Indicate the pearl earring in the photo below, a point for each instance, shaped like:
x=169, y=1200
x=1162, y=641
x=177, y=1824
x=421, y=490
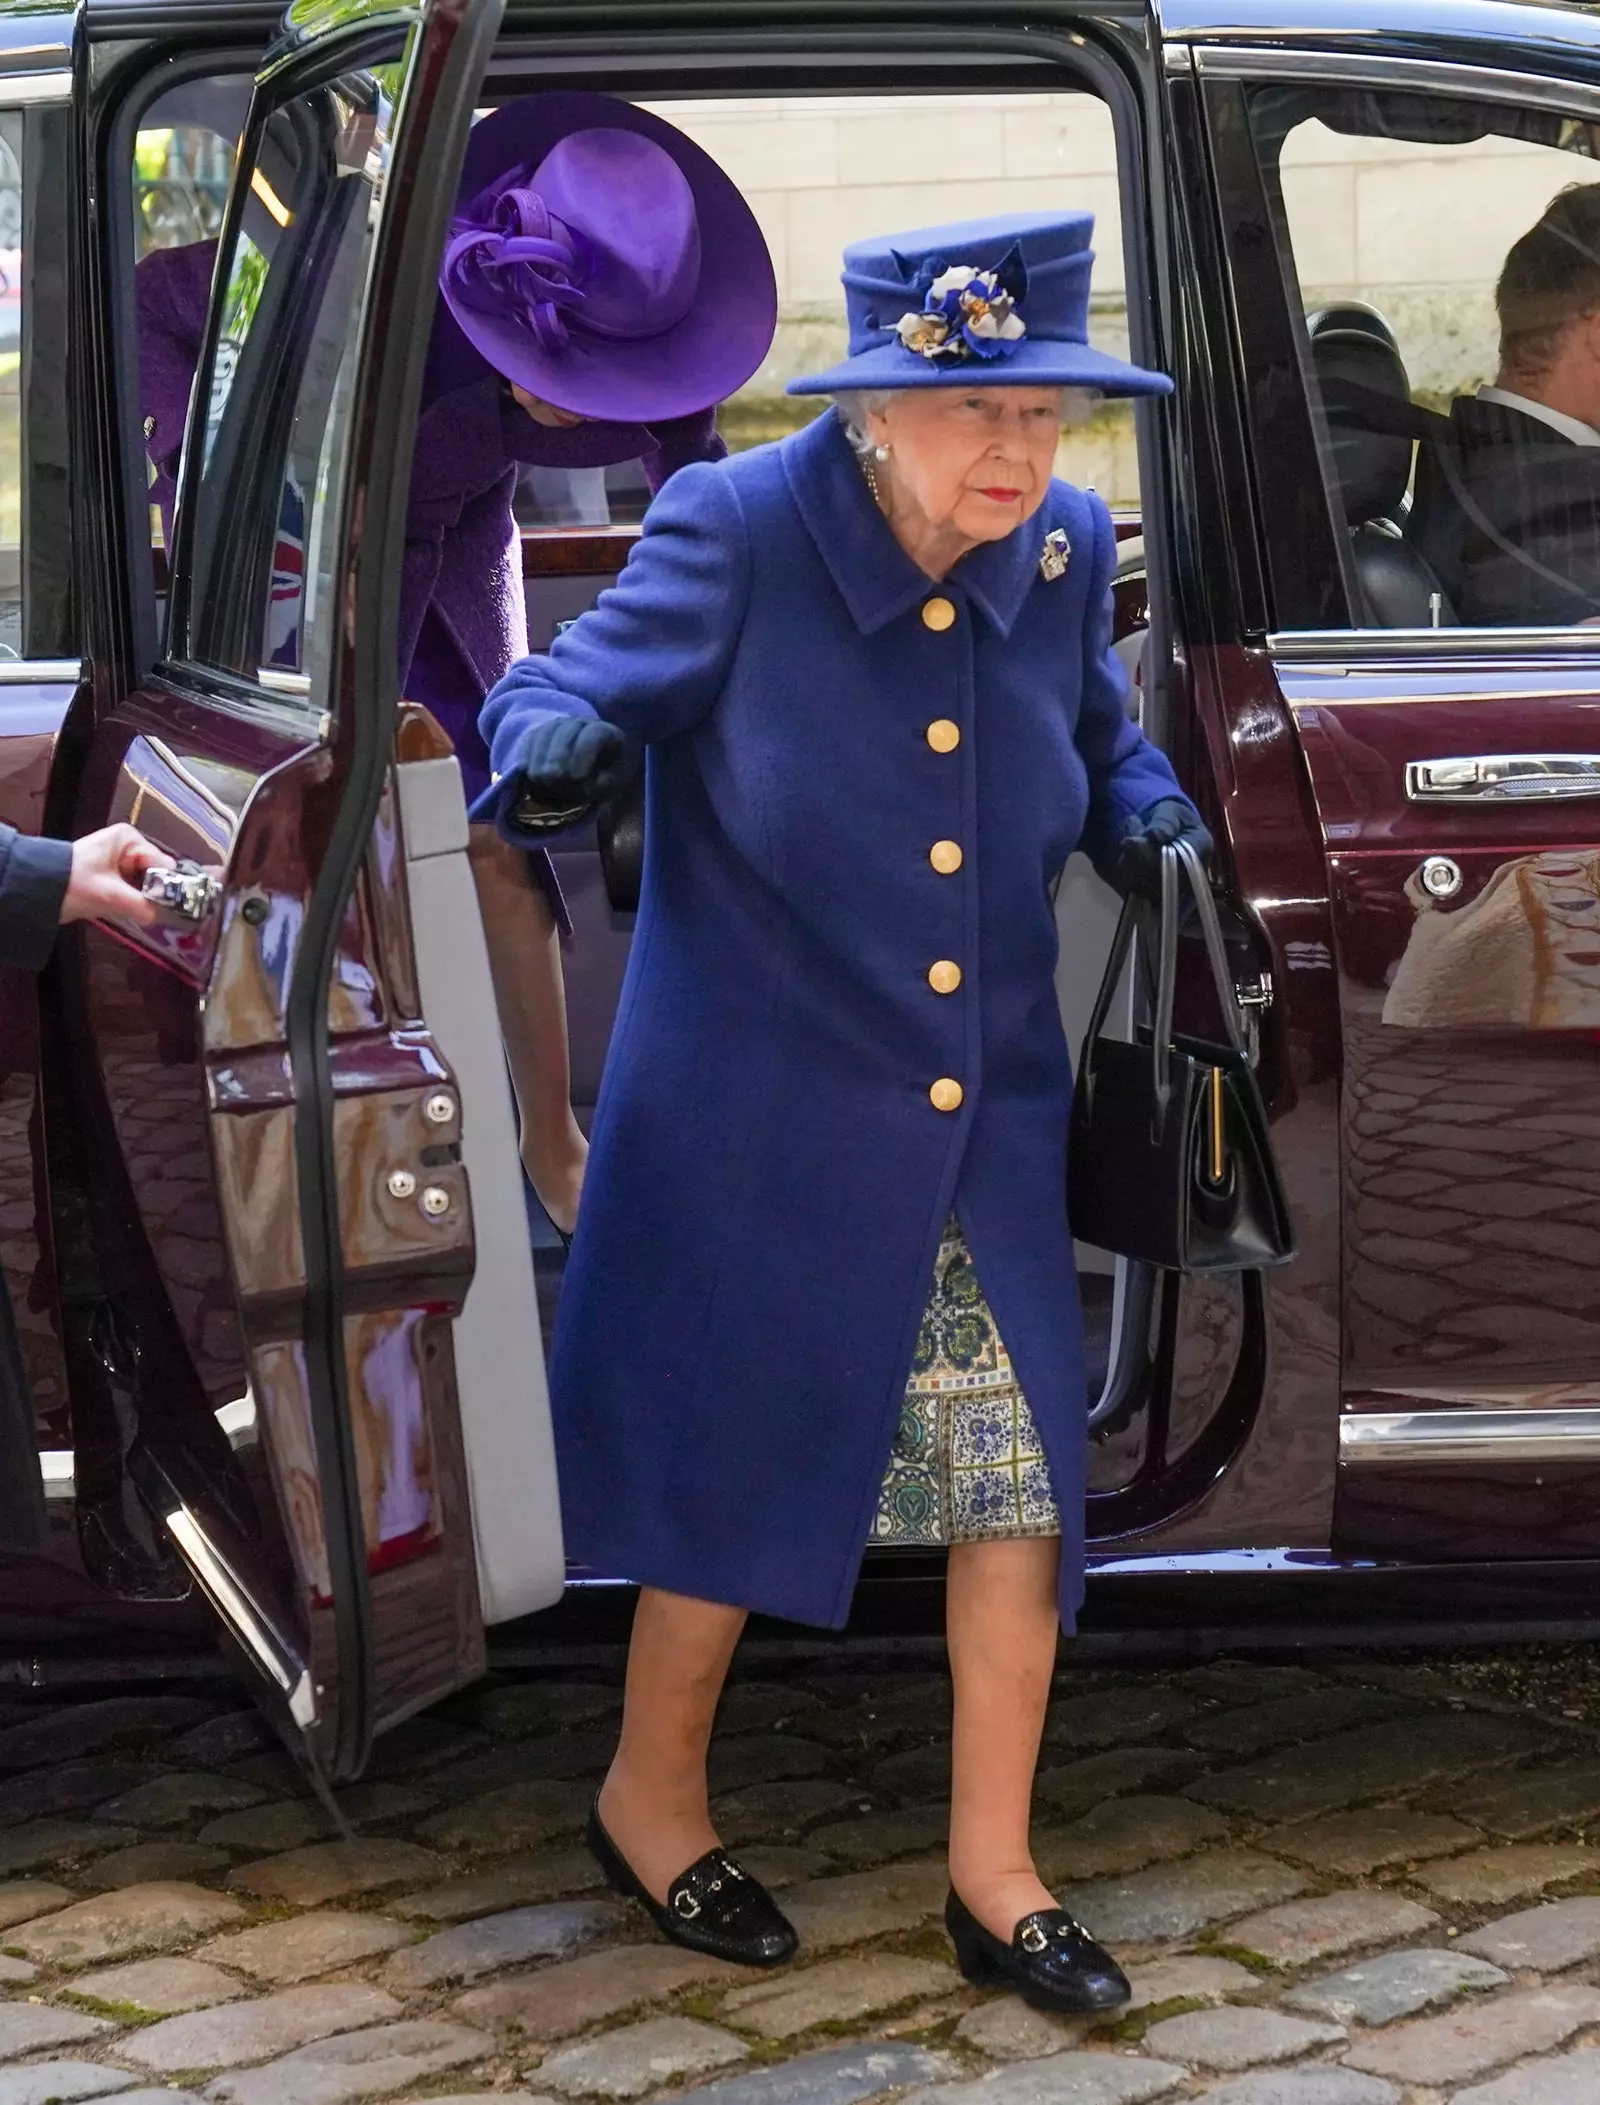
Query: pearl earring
x=880, y=453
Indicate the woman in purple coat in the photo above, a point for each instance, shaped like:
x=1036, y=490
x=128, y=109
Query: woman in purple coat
x=592, y=242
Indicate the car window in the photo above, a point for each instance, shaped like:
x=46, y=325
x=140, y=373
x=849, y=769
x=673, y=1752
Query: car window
x=1441, y=263
x=263, y=480
x=184, y=150
x=820, y=171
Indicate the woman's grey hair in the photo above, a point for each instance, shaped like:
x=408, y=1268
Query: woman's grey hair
x=853, y=407
x=853, y=410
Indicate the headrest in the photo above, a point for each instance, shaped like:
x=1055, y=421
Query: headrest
x=1372, y=468
x=1348, y=315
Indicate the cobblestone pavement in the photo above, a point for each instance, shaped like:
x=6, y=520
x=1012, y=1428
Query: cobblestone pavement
x=1366, y=1881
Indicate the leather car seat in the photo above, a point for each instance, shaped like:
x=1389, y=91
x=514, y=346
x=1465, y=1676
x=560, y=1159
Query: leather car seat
x=1352, y=347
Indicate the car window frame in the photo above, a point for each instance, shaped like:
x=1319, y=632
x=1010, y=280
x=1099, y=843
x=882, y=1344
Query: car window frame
x=264, y=689
x=1483, y=81
x=36, y=85
x=167, y=69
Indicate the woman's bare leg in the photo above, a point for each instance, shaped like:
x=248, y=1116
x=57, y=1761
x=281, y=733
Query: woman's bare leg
x=653, y=1803
x=525, y=959
x=1001, y=1622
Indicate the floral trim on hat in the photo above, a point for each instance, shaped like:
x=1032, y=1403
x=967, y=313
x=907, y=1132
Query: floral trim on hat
x=968, y=313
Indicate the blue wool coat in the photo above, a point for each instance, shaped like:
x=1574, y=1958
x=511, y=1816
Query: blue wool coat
x=769, y=1176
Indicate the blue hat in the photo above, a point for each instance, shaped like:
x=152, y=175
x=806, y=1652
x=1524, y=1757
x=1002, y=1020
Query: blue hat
x=988, y=303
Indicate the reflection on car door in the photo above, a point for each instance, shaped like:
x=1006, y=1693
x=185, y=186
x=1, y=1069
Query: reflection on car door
x=276, y=1230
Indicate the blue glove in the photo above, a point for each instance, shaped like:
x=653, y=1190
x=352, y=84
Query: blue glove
x=1138, y=864
x=560, y=768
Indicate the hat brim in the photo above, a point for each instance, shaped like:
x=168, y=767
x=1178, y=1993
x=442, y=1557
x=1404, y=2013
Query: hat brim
x=1036, y=362
x=702, y=359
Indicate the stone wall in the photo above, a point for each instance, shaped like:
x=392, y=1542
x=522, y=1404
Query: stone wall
x=826, y=171
x=1418, y=231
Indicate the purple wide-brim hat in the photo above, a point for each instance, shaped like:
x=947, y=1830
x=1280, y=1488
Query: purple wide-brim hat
x=985, y=303
x=605, y=263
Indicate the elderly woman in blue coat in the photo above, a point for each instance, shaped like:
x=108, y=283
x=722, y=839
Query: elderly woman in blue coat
x=823, y=1290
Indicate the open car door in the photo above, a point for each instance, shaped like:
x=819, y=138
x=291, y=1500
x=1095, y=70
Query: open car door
x=277, y=1112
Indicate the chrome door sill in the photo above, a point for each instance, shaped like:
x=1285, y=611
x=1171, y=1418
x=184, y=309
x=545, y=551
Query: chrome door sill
x=1394, y=1438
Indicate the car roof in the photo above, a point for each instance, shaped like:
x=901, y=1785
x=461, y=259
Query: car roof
x=1546, y=34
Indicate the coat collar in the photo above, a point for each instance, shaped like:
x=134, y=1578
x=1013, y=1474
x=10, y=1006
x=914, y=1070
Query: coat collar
x=876, y=578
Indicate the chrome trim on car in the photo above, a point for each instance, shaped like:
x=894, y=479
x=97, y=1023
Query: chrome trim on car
x=1196, y=1563
x=1410, y=75
x=1503, y=778
x=28, y=90
x=247, y=1622
x=277, y=681
x=1408, y=646
x=1393, y=1439
x=39, y=672
x=58, y=1467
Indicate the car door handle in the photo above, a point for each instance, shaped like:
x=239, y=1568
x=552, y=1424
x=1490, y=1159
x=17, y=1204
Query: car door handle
x=1505, y=778
x=184, y=889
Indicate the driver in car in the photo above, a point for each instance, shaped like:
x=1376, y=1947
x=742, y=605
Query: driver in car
x=1512, y=521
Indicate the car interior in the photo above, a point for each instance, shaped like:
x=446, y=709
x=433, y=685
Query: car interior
x=1385, y=443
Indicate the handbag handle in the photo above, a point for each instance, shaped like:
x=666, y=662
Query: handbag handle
x=1180, y=856
x=1133, y=921
x=1183, y=852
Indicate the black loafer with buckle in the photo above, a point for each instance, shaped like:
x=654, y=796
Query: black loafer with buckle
x=1052, y=1962
x=714, y=1907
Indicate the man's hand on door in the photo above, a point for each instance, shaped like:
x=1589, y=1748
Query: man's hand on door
x=107, y=870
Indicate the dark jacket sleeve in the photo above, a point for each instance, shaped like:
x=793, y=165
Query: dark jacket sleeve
x=33, y=884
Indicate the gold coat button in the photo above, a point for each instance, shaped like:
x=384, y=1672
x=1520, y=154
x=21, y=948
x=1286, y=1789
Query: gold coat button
x=943, y=735
x=946, y=1094
x=945, y=857
x=938, y=614
x=944, y=976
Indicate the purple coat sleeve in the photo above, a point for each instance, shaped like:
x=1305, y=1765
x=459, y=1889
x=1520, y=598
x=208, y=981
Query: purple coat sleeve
x=172, y=289
x=460, y=454
x=469, y=439
x=680, y=442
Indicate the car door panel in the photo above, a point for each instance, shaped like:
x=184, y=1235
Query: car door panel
x=508, y=1451
x=289, y=1130
x=1472, y=1187
x=1471, y=1206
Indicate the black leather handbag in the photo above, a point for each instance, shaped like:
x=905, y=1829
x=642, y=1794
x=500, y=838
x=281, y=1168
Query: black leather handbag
x=1168, y=1157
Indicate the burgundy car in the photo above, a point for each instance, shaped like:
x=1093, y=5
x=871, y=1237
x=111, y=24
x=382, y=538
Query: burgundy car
x=278, y=1292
